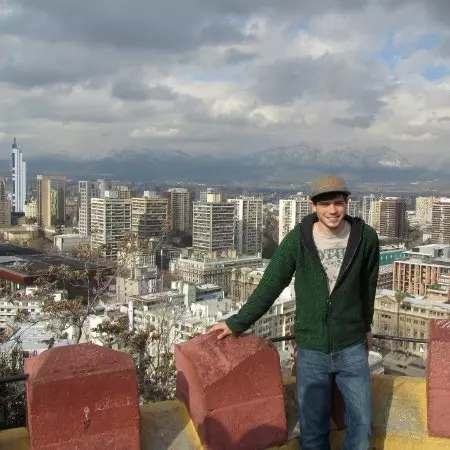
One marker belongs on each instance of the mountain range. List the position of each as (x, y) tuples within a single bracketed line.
[(277, 165)]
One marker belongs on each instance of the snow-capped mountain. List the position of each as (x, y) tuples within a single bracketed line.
[(282, 164)]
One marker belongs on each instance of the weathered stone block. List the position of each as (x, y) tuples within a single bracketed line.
[(232, 389), (82, 397), (438, 379)]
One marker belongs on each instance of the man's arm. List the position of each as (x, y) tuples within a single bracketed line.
[(277, 276), (371, 280)]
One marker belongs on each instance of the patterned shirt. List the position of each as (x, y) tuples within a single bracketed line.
[(331, 251)]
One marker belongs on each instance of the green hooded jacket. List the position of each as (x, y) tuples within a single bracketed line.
[(324, 321)]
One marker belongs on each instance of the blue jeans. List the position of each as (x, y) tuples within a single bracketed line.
[(316, 371)]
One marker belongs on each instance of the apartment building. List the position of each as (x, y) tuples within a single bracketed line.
[(28, 303), (51, 193), (388, 255), (244, 281), (213, 228), (211, 195), (405, 317), (367, 203), (392, 217), (292, 211), (88, 190), (249, 220), (180, 210), (31, 209), (110, 222), (424, 272), (177, 319), (424, 210), (5, 207), (150, 216), (354, 208), (440, 219), (279, 319), (191, 268)]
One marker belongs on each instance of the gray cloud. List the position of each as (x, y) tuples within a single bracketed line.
[(137, 91), (355, 122), (170, 26), (328, 77), (235, 56), (232, 85)]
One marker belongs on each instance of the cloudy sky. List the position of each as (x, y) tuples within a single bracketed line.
[(206, 76)]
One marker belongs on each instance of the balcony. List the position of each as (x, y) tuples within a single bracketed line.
[(85, 397)]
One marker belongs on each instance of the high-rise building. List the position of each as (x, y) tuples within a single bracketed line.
[(31, 209), (374, 214), (393, 223), (5, 207), (51, 200), (19, 178), (424, 210), (353, 208), (440, 233), (211, 195), (149, 216), (248, 225), (367, 202), (292, 211), (213, 229), (180, 209), (110, 222), (94, 189)]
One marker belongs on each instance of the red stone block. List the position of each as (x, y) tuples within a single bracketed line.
[(82, 397), (233, 389), (438, 379), (439, 330), (438, 406)]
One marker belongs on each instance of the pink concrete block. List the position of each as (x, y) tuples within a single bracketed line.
[(229, 385), (82, 397), (439, 413), (259, 424), (439, 330), (438, 379)]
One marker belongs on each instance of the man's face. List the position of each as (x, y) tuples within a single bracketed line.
[(331, 212)]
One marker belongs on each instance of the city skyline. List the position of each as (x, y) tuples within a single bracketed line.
[(218, 78)]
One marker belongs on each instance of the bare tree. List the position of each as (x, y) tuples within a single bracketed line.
[(152, 347), (12, 395)]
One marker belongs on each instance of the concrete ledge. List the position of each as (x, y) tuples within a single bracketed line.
[(399, 409), (15, 439), (167, 426), (399, 417)]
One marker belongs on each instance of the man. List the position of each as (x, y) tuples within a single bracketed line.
[(335, 259)]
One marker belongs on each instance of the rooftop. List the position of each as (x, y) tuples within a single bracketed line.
[(13, 257)]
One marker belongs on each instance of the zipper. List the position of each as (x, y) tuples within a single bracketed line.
[(344, 272), (328, 311)]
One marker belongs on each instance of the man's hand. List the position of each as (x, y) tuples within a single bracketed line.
[(223, 328), (368, 342)]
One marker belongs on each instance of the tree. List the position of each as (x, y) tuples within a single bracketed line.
[(88, 286), (152, 348), (270, 235), (12, 395)]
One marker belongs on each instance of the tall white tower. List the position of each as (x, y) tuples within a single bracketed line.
[(19, 178)]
